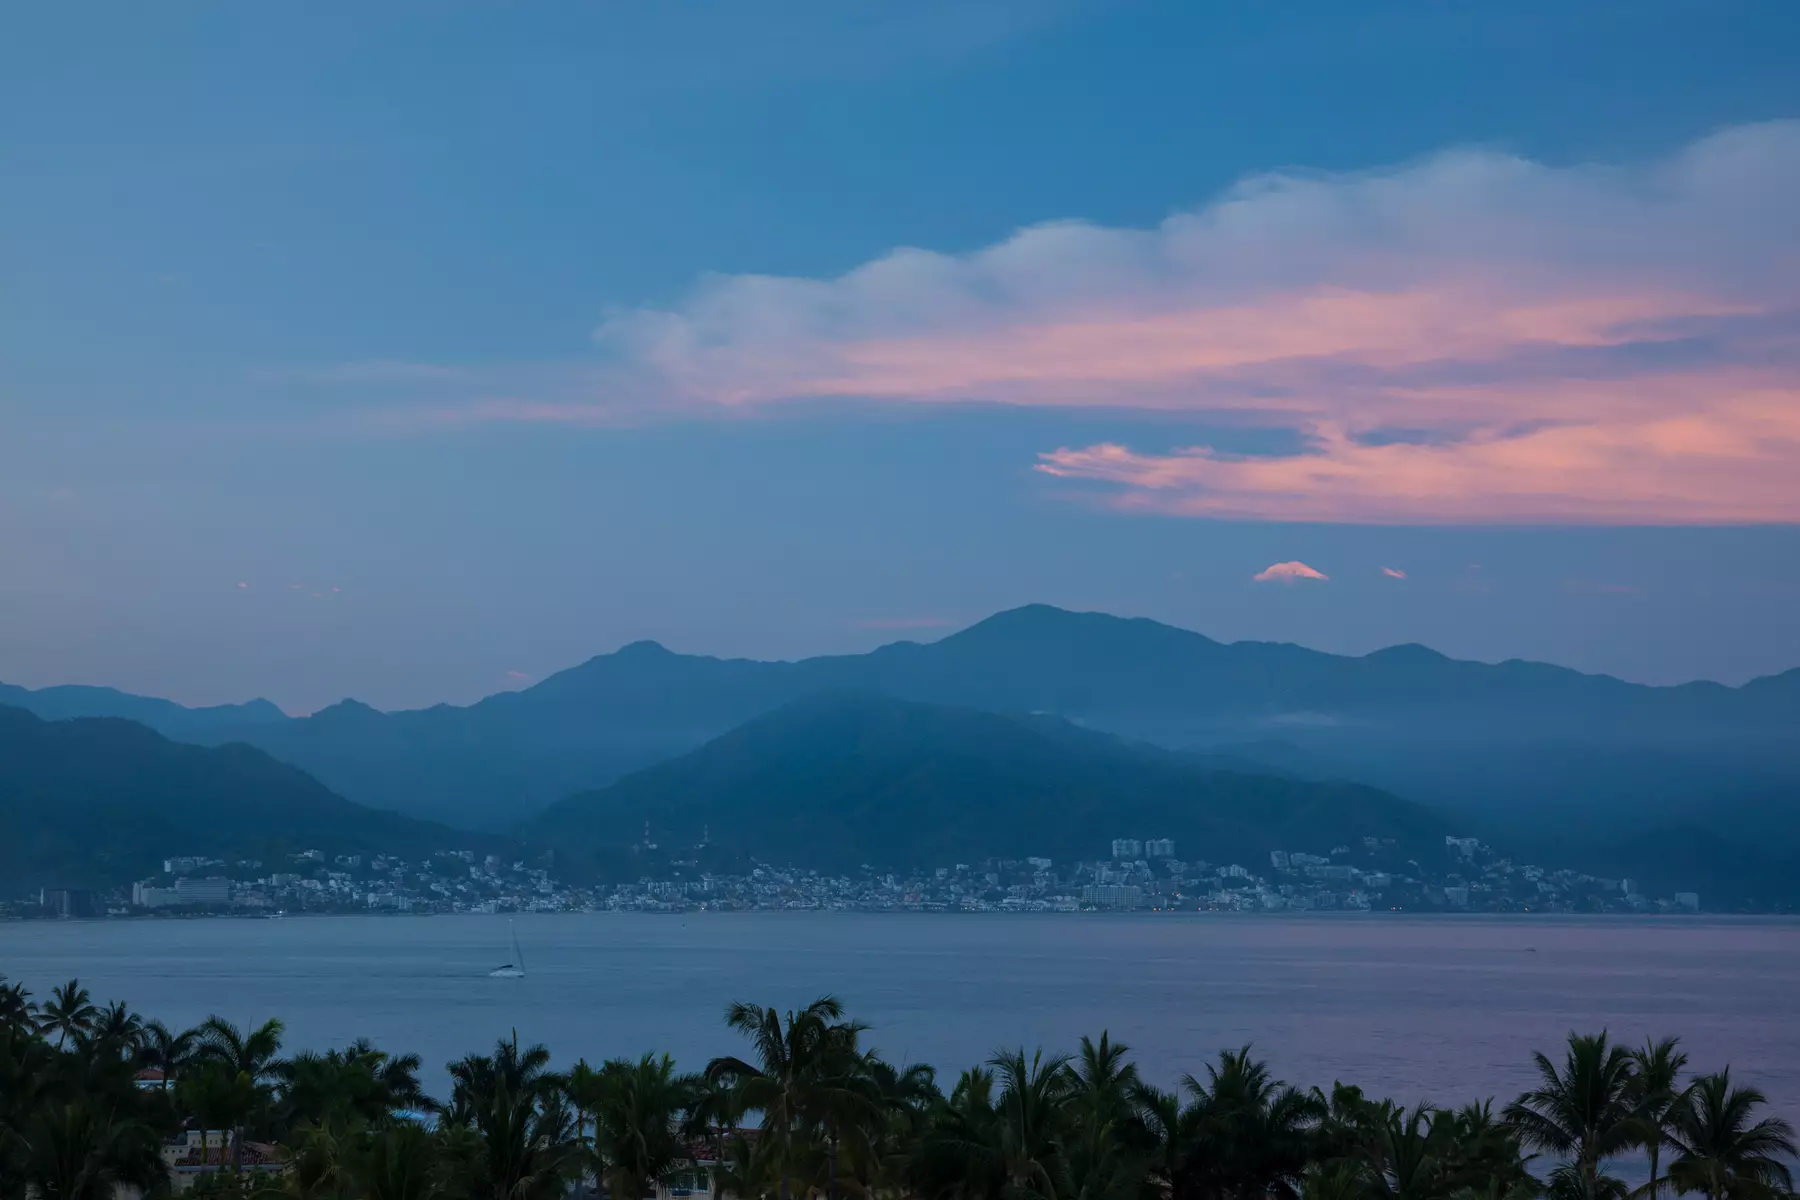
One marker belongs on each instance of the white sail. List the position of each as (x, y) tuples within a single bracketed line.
[(516, 968)]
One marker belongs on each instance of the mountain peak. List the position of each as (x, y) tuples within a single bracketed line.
[(1410, 652), (644, 648), (346, 709), (1032, 621)]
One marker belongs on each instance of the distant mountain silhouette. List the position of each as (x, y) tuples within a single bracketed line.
[(67, 701), (1507, 742), (98, 801), (840, 779)]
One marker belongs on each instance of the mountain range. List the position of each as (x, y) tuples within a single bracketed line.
[(1518, 748), (839, 779), (101, 801)]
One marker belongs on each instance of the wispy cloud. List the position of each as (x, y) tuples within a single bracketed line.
[(1288, 572), (1471, 338), (1393, 572)]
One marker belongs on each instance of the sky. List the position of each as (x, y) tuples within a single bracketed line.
[(414, 351)]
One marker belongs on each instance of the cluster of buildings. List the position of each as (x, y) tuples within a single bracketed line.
[(1140, 874), (1145, 875), (313, 882)]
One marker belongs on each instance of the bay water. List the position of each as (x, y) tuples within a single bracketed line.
[(1441, 1008)]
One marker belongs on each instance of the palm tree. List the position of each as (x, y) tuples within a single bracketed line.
[(251, 1053), (312, 1168), (582, 1083), (638, 1107), (399, 1161), (1104, 1080), (960, 1155), (1034, 1098), (1343, 1180), (78, 1151), (907, 1096), (68, 1012), (167, 1052), (1656, 1069), (512, 1132), (527, 1145), (117, 1028), (356, 1086), (1252, 1134), (806, 1077), (1586, 1112), (224, 1099), (16, 1007), (1724, 1153), (248, 1059), (330, 1091), (476, 1078), (746, 1168), (1408, 1156), (1483, 1152), (398, 1075), (27, 1086), (1167, 1129)]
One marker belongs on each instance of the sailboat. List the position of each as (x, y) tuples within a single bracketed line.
[(516, 968)]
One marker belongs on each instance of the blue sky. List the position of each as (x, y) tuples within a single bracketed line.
[(473, 339)]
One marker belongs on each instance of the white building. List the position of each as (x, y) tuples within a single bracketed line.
[(1113, 895), (148, 895), (1159, 848), (1127, 848), (212, 890)]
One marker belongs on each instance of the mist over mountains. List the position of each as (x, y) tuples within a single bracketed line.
[(1516, 749)]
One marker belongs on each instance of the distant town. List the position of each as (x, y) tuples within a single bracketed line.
[(1138, 875)]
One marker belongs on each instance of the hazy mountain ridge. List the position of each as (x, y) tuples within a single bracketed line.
[(839, 779), (67, 701), (102, 800), (1456, 734)]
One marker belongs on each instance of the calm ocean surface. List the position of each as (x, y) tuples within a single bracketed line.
[(1440, 1008)]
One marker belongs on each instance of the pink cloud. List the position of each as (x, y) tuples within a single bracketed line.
[(1393, 572), (1288, 572), (1617, 458), (1560, 344)]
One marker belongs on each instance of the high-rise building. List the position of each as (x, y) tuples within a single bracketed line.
[(1159, 848), (1127, 848), (1113, 895), (67, 902), (212, 890)]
